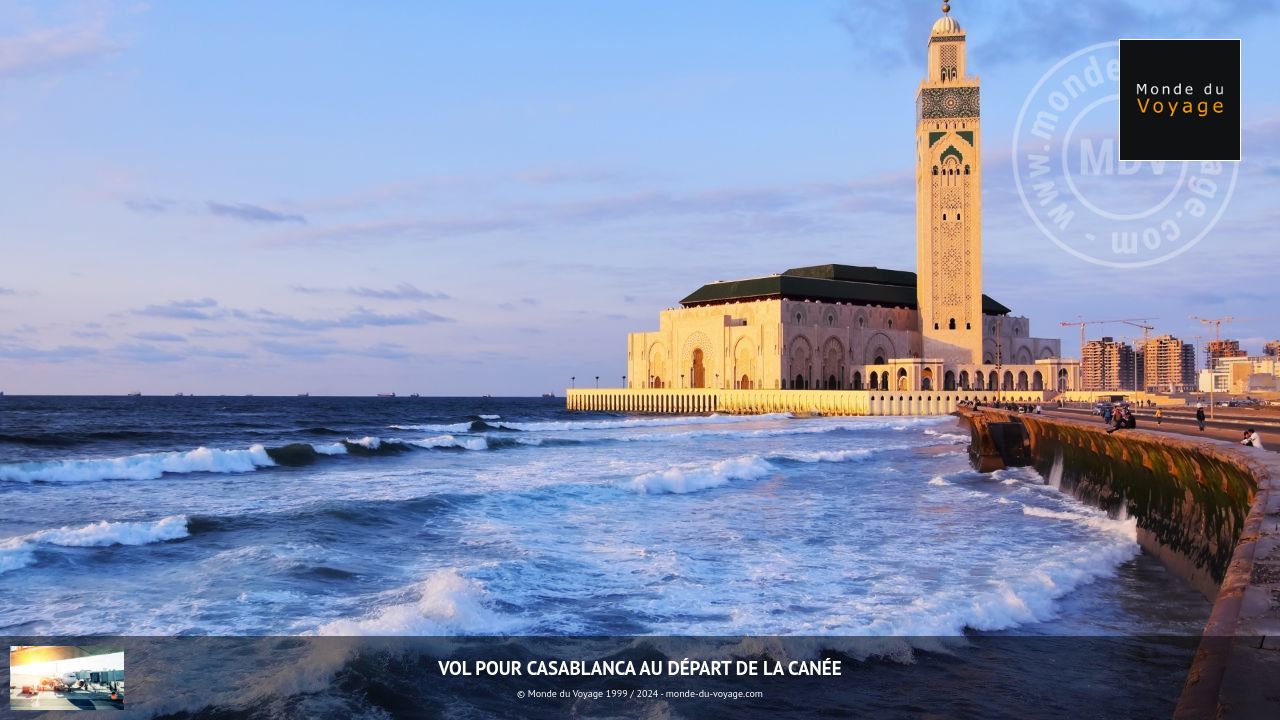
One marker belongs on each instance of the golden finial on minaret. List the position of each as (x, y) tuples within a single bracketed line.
[(946, 7)]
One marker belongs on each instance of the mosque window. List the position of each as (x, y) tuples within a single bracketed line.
[(966, 169), (797, 317), (935, 169), (935, 326), (831, 320), (951, 325), (889, 324), (862, 322)]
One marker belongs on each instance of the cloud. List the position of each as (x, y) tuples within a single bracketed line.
[(144, 353), (62, 353), (160, 337), (526, 301), (320, 350), (254, 213), (358, 318), (402, 291), (8, 291), (151, 206), (202, 309), (48, 50)]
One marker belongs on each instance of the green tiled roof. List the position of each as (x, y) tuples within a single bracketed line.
[(827, 283)]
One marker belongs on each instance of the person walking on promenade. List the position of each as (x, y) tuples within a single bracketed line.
[(1159, 416), (1200, 416), (1106, 415)]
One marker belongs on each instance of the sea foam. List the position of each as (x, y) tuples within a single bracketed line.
[(144, 466), (446, 604), (17, 552)]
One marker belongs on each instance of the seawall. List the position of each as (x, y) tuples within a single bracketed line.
[(1210, 510)]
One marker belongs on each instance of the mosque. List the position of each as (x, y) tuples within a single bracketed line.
[(845, 327)]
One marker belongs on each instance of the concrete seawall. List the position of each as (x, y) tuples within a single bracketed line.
[(1210, 510)]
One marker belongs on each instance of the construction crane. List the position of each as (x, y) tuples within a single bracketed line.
[(1216, 323), (1082, 322)]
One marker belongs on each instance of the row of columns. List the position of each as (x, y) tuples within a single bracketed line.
[(817, 402)]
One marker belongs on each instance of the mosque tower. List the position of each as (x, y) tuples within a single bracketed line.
[(949, 201)]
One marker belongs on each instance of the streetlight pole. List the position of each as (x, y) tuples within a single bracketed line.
[(573, 380), (624, 382), (597, 382)]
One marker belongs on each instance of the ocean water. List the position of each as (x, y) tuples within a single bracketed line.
[(430, 516)]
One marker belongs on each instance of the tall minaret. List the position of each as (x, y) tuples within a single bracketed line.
[(949, 201)]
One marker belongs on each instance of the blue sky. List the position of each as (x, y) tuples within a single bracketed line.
[(466, 198)]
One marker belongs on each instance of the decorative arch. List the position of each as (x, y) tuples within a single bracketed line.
[(659, 372), (1022, 379), (801, 362), (833, 362), (696, 359), (902, 379), (1023, 356), (879, 346), (1062, 379), (746, 374), (1037, 381)]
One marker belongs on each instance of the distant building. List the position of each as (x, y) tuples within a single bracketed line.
[(1242, 375), (1217, 349), (1107, 365), (1272, 349), (1169, 365)]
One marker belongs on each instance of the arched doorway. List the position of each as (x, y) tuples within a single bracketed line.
[(1022, 379), (964, 379), (884, 380), (832, 383), (948, 380), (926, 379), (799, 382), (698, 372), (857, 380), (745, 382), (902, 379), (656, 381), (1037, 381), (875, 380), (1062, 379), (1008, 380), (992, 382), (977, 381)]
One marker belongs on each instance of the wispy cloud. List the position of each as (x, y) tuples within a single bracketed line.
[(160, 337), (311, 351), (402, 291), (150, 206), (358, 318), (62, 353), (254, 213), (47, 50), (202, 309), (8, 291)]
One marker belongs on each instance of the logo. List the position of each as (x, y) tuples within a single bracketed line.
[(1082, 196)]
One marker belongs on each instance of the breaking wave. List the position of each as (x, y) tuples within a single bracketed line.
[(144, 466), (691, 478), (18, 552), (446, 603)]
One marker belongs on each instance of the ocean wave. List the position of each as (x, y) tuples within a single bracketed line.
[(144, 466), (693, 477), (17, 552), (460, 427), (446, 603), (689, 479)]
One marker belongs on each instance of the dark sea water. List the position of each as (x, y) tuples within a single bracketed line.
[(231, 516)]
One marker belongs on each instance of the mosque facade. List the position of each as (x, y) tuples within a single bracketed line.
[(844, 327)]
